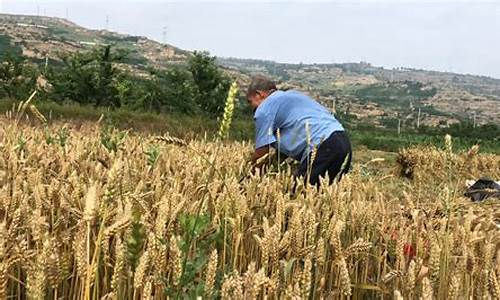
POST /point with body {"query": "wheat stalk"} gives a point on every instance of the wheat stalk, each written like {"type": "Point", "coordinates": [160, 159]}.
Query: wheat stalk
{"type": "Point", "coordinates": [171, 140]}
{"type": "Point", "coordinates": [228, 111]}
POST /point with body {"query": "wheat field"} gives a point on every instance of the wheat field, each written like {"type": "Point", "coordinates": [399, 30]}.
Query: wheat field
{"type": "Point", "coordinates": [91, 213]}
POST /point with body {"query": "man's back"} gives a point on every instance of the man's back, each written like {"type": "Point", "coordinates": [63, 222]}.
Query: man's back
{"type": "Point", "coordinates": [300, 120]}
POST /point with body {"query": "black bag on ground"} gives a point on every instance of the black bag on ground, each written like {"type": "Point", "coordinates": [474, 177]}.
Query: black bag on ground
{"type": "Point", "coordinates": [483, 189]}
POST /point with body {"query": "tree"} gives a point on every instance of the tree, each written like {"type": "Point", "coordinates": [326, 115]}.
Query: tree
{"type": "Point", "coordinates": [179, 91]}
{"type": "Point", "coordinates": [172, 90]}
{"type": "Point", "coordinates": [211, 83]}
{"type": "Point", "coordinates": [93, 78]}
{"type": "Point", "coordinates": [88, 78]}
{"type": "Point", "coordinates": [17, 78]}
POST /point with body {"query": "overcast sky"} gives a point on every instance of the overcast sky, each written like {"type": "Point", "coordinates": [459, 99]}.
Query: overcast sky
{"type": "Point", "coordinates": [460, 36]}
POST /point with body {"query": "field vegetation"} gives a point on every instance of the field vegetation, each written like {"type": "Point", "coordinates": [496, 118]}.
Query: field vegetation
{"type": "Point", "coordinates": [91, 212]}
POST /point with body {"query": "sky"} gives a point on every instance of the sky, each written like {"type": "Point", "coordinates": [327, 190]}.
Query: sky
{"type": "Point", "coordinates": [461, 36]}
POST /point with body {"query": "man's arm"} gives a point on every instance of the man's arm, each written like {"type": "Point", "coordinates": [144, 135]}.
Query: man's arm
{"type": "Point", "coordinates": [264, 135]}
{"type": "Point", "coordinates": [259, 152]}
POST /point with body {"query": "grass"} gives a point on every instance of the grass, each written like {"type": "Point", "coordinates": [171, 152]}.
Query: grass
{"type": "Point", "coordinates": [392, 142]}
{"type": "Point", "coordinates": [183, 126]}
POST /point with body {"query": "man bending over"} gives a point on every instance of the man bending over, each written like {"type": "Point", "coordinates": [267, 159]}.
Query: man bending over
{"type": "Point", "coordinates": [295, 124]}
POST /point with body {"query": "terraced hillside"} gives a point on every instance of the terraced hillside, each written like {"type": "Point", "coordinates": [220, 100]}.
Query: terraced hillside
{"type": "Point", "coordinates": [377, 95]}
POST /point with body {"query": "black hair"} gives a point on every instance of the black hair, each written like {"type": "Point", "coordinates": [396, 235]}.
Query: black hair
{"type": "Point", "coordinates": [261, 83]}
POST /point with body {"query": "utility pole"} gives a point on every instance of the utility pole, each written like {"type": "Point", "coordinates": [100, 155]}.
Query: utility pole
{"type": "Point", "coordinates": [107, 22]}
{"type": "Point", "coordinates": [164, 33]}
{"type": "Point", "coordinates": [399, 126]}
{"type": "Point", "coordinates": [418, 119]}
{"type": "Point", "coordinates": [474, 120]}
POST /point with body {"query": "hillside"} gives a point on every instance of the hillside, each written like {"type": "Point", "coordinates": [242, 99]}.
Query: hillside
{"type": "Point", "coordinates": [379, 95]}
{"type": "Point", "coordinates": [45, 37]}
{"type": "Point", "coordinates": [367, 94]}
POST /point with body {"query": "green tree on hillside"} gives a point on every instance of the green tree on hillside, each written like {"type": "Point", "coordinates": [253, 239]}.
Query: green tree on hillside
{"type": "Point", "coordinates": [170, 90]}
{"type": "Point", "coordinates": [179, 90]}
{"type": "Point", "coordinates": [17, 78]}
{"type": "Point", "coordinates": [93, 78]}
{"type": "Point", "coordinates": [88, 78]}
{"type": "Point", "coordinates": [212, 84]}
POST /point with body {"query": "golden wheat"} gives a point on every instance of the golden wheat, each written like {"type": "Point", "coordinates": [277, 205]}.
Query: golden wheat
{"type": "Point", "coordinates": [84, 222]}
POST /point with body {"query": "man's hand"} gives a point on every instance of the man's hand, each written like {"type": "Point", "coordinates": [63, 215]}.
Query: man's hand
{"type": "Point", "coordinates": [257, 160]}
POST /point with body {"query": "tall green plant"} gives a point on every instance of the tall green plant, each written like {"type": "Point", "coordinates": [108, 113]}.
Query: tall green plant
{"type": "Point", "coordinates": [225, 124]}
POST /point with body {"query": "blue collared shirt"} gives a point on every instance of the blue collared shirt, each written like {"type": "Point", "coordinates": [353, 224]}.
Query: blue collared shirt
{"type": "Point", "coordinates": [303, 123]}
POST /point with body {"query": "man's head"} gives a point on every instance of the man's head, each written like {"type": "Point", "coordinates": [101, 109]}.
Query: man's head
{"type": "Point", "coordinates": [260, 88]}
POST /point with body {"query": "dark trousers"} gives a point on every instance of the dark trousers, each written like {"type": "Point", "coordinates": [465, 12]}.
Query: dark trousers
{"type": "Point", "coordinates": [333, 157]}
